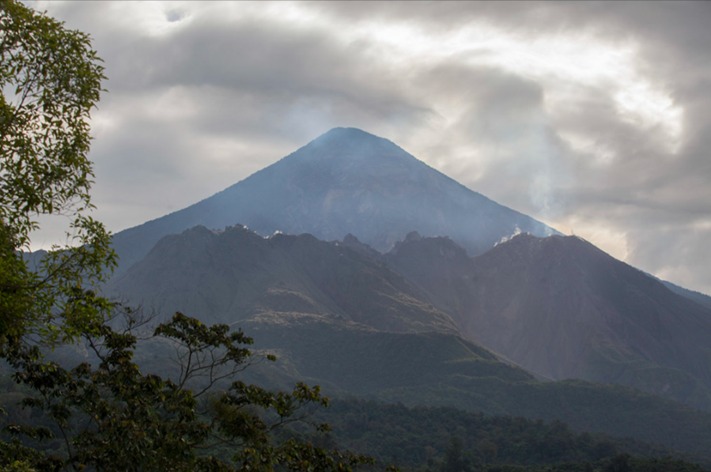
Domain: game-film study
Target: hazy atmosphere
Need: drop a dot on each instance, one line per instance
(591, 117)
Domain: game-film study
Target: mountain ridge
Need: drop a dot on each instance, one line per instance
(235, 274)
(319, 339)
(395, 281)
(344, 181)
(562, 308)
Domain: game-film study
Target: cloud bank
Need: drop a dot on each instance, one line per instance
(590, 116)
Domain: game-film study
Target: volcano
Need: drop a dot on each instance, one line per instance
(344, 182)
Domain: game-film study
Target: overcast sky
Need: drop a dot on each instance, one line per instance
(592, 117)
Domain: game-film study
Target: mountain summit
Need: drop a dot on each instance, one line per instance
(345, 181)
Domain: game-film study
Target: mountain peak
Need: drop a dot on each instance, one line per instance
(526, 245)
(344, 181)
(346, 133)
(350, 144)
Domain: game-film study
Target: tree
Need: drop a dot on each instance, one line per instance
(454, 459)
(50, 80)
(109, 414)
(114, 417)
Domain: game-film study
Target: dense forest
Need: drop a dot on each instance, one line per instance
(425, 439)
(447, 439)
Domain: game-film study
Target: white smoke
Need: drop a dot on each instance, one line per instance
(515, 233)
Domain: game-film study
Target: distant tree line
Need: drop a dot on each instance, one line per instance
(447, 439)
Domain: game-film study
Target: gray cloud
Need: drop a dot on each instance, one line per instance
(218, 96)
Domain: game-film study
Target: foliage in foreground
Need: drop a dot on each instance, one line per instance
(50, 80)
(111, 416)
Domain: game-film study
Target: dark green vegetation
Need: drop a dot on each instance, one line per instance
(435, 439)
(444, 370)
(111, 416)
(50, 80)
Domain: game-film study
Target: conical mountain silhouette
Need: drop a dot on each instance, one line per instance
(345, 181)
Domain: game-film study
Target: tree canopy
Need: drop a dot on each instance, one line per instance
(50, 80)
(112, 416)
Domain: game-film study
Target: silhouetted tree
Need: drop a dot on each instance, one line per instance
(454, 460)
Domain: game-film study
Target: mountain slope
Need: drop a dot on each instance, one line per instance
(345, 181)
(562, 308)
(236, 274)
(438, 369)
(698, 297)
(339, 317)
